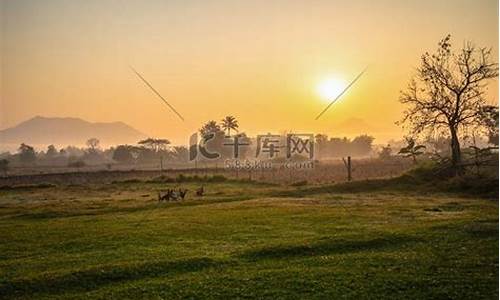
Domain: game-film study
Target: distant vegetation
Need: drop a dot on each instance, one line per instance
(160, 151)
(371, 161)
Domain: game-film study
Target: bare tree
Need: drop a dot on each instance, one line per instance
(92, 143)
(155, 145)
(447, 93)
(162, 144)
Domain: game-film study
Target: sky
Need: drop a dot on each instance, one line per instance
(260, 61)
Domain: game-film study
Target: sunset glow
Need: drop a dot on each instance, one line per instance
(257, 60)
(331, 88)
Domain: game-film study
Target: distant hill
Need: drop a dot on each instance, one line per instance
(40, 131)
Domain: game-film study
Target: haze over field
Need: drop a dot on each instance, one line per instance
(261, 61)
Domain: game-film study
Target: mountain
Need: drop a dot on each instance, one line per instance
(68, 131)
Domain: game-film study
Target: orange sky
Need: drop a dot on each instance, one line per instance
(260, 61)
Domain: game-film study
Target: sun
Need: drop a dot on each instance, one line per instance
(330, 88)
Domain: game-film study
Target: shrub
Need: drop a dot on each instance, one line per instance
(77, 164)
(299, 183)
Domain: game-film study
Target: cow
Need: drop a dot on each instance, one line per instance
(200, 192)
(172, 194)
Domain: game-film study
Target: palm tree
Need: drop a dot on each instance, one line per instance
(229, 123)
(209, 127)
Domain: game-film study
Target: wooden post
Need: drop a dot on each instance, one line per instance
(348, 167)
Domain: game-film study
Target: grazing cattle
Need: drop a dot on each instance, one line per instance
(174, 195)
(164, 195)
(182, 193)
(200, 191)
(171, 194)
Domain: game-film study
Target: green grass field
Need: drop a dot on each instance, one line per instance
(246, 240)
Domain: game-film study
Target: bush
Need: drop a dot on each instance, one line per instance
(162, 179)
(299, 183)
(216, 178)
(27, 186)
(132, 180)
(182, 178)
(213, 178)
(77, 164)
(4, 166)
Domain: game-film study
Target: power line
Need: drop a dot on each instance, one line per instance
(156, 92)
(336, 98)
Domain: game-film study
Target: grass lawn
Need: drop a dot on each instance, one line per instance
(245, 240)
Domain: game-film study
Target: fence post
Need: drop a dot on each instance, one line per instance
(348, 167)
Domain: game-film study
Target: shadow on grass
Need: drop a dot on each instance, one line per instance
(481, 229)
(373, 185)
(466, 186)
(328, 247)
(95, 278)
